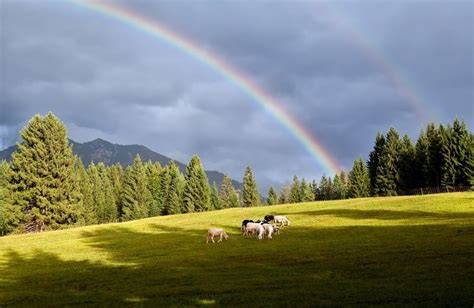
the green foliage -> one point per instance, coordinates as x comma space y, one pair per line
407, 164
116, 175
214, 197
228, 197
250, 194
339, 186
388, 173
284, 195
103, 196
4, 198
136, 199
306, 192
374, 161
326, 191
295, 194
88, 215
196, 195
43, 181
171, 186
153, 171
358, 184
272, 196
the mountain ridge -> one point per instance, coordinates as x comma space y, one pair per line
100, 150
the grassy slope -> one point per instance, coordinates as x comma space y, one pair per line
404, 250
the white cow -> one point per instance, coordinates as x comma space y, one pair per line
254, 228
216, 232
281, 221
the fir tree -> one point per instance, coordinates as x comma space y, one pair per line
43, 177
407, 164
306, 192
153, 171
250, 194
283, 197
388, 175
87, 213
4, 174
196, 195
295, 195
214, 199
136, 198
358, 184
434, 156
115, 173
326, 188
422, 167
272, 196
173, 189
339, 188
228, 197
374, 161
315, 187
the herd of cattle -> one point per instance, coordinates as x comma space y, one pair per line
260, 228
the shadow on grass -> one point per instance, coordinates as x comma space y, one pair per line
387, 214
166, 266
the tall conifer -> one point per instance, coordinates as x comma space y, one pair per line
136, 198
196, 195
358, 183
250, 194
272, 196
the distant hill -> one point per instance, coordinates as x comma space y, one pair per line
100, 150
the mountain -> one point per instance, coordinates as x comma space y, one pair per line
100, 150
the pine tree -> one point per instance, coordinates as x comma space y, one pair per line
153, 171
228, 197
316, 191
284, 195
407, 164
43, 177
388, 175
359, 185
306, 192
326, 188
116, 174
172, 182
136, 198
422, 167
214, 199
4, 200
87, 213
272, 196
295, 196
250, 194
434, 156
196, 195
339, 189
374, 161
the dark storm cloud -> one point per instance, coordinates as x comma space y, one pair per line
107, 79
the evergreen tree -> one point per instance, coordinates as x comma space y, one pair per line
136, 198
358, 185
228, 197
107, 212
422, 165
173, 190
388, 175
272, 196
457, 165
250, 194
4, 174
196, 195
214, 199
295, 196
153, 171
284, 195
87, 213
43, 178
434, 156
306, 192
339, 189
326, 188
407, 164
315, 188
374, 161
116, 175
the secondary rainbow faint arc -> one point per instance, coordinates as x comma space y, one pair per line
270, 104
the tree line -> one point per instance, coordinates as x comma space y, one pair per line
442, 158
47, 187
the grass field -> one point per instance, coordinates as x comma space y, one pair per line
379, 251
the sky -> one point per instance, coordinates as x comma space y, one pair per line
343, 69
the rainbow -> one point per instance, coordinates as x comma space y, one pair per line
265, 100
377, 57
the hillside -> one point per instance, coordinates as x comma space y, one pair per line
100, 150
378, 251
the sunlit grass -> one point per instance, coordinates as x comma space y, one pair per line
403, 250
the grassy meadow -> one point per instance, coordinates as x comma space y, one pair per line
379, 251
